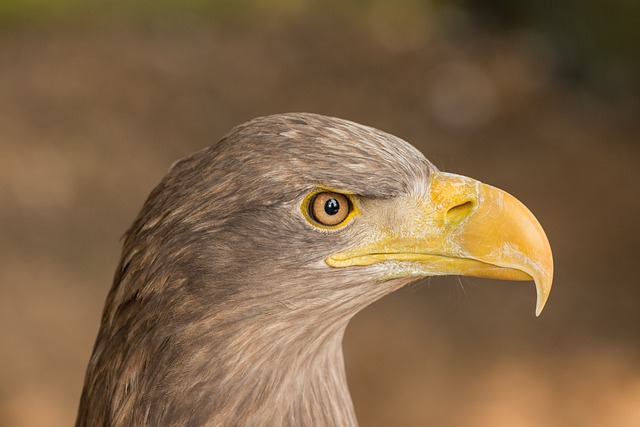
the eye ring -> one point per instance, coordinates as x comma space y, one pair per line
328, 209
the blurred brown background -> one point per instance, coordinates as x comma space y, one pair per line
540, 98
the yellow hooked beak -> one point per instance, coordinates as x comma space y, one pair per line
463, 227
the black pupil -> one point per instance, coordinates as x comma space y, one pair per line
331, 207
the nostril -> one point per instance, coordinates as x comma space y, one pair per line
461, 211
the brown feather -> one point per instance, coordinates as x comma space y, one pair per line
222, 311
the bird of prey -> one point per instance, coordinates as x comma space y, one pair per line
246, 263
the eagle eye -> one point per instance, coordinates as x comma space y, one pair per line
328, 208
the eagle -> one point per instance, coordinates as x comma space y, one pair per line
241, 272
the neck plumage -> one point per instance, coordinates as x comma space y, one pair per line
291, 386
252, 374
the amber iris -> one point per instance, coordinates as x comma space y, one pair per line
329, 208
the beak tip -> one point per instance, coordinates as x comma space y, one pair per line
542, 297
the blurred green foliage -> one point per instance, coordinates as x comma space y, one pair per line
594, 41
593, 38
